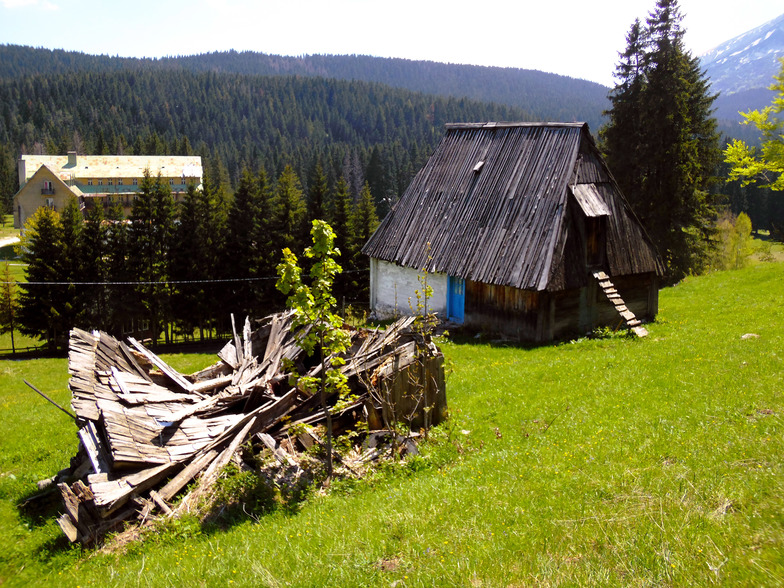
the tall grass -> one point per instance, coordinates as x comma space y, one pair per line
601, 461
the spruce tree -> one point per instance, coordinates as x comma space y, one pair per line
94, 269
340, 211
240, 244
151, 237
363, 223
661, 142
72, 265
265, 252
317, 194
289, 212
190, 262
121, 296
623, 138
41, 299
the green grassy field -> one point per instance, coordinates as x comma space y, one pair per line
606, 461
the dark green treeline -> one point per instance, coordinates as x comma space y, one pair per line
182, 268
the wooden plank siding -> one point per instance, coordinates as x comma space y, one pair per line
503, 309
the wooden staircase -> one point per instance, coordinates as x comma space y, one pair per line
632, 322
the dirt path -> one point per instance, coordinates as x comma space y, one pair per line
8, 241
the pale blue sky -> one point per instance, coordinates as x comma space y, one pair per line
578, 38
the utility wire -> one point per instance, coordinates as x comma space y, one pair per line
163, 282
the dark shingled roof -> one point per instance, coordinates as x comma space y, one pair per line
491, 205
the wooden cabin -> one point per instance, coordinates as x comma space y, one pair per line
521, 230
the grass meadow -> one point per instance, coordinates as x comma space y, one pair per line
609, 461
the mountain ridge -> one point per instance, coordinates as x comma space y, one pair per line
546, 96
741, 69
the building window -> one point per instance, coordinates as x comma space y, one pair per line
171, 181
100, 182
119, 181
109, 182
50, 202
135, 181
183, 180
90, 182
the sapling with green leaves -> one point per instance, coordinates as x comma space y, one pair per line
314, 306
424, 325
9, 305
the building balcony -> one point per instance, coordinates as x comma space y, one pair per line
47, 191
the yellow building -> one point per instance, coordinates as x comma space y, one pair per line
50, 180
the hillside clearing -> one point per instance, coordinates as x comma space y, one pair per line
604, 461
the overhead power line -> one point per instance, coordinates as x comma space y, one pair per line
161, 283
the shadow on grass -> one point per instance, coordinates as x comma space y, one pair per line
39, 507
7, 253
247, 495
468, 336
36, 511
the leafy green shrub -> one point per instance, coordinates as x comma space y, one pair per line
242, 493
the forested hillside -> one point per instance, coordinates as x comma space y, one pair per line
240, 120
545, 96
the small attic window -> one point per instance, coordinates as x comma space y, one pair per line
478, 167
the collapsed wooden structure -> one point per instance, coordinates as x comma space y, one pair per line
147, 431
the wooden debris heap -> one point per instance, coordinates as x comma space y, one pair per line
147, 431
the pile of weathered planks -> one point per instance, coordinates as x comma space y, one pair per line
147, 431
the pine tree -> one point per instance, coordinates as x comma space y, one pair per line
289, 212
8, 182
340, 211
121, 298
151, 237
317, 193
190, 262
265, 252
240, 250
41, 299
661, 142
214, 236
71, 266
363, 223
94, 252
376, 179
623, 138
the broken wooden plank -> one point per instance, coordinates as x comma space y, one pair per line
278, 452
173, 374
183, 478
93, 445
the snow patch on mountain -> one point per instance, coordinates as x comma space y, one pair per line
747, 62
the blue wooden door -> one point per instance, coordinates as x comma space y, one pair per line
455, 301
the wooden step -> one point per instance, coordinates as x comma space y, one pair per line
606, 284
640, 331
614, 297
633, 323
610, 291
619, 305
600, 275
627, 315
